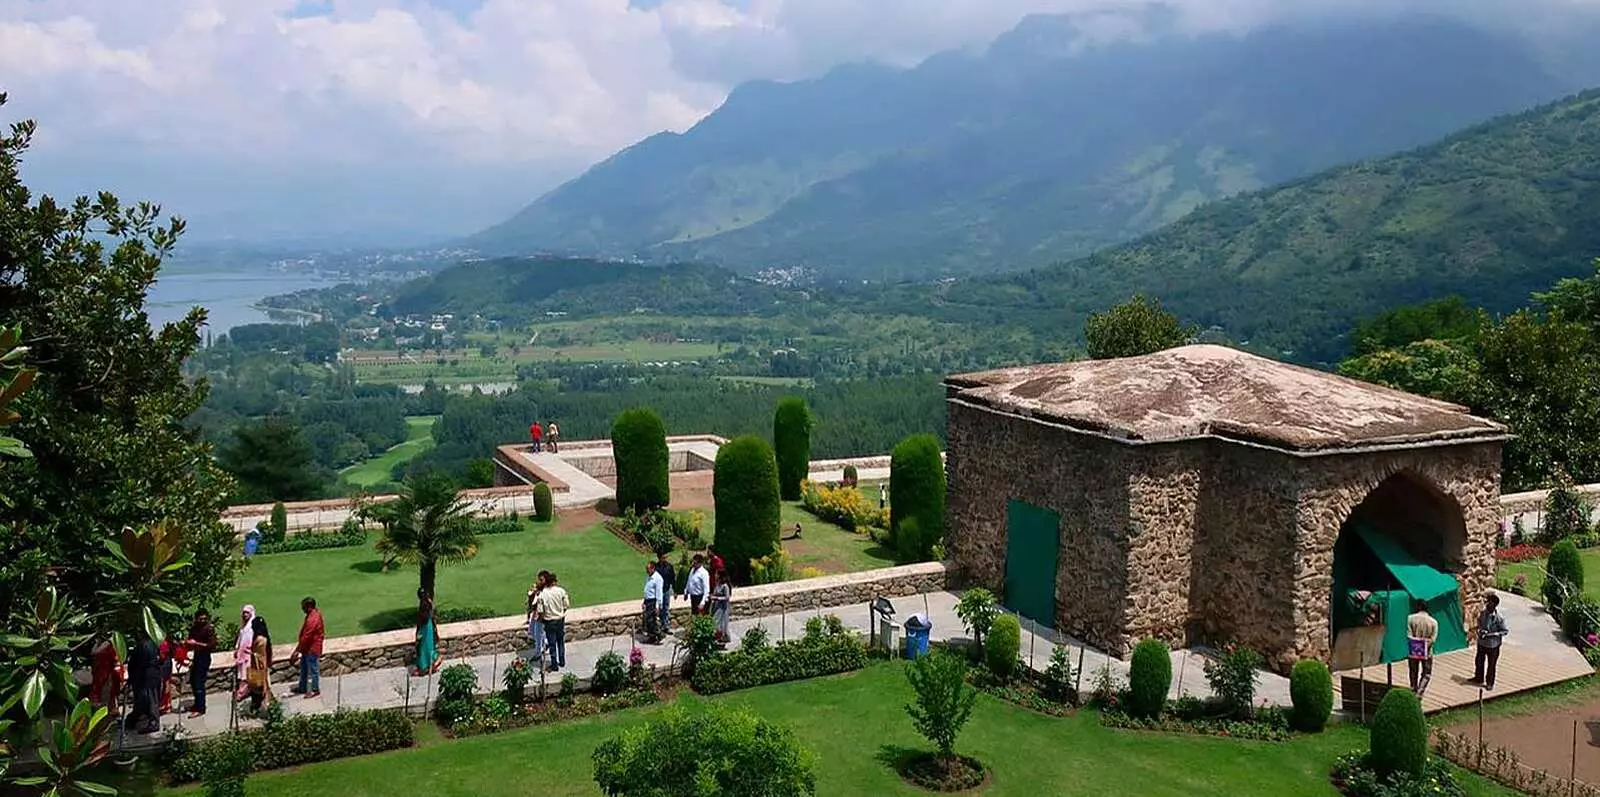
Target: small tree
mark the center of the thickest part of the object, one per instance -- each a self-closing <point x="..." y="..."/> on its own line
<point x="791" y="439"/>
<point x="1565" y="575"/>
<point x="1398" y="743"/>
<point x="1566" y="513"/>
<point x="1149" y="678"/>
<point x="1232" y="677"/>
<point x="977" y="610"/>
<point x="544" y="508"/>
<point x="917" y="481"/>
<point x="944" y="700"/>
<point x="714" y="750"/>
<point x="639" y="450"/>
<point x="1003" y="647"/>
<point x="1133" y="328"/>
<point x="852" y="477"/>
<point x="280" y="523"/>
<point x="1311" y="693"/>
<point x="745" y="492"/>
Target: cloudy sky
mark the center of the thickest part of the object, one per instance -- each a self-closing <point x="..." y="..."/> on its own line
<point x="413" y="119"/>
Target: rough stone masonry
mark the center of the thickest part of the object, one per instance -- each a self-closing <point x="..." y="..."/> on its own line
<point x="1201" y="491"/>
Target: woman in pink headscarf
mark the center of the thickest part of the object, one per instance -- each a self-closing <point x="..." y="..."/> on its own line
<point x="241" y="652"/>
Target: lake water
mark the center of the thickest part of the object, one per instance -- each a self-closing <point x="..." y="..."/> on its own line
<point x="227" y="295"/>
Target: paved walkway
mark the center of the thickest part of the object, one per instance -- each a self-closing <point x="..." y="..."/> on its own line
<point x="395" y="688"/>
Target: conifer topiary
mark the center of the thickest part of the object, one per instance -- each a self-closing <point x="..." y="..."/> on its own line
<point x="1399" y="735"/>
<point x="917" y="482"/>
<point x="1002" y="646"/>
<point x="1311" y="694"/>
<point x="791" y="440"/>
<point x="639" y="451"/>
<point x="1565" y="577"/>
<point x="745" y="492"/>
<point x="1149" y="678"/>
<point x="544" y="508"/>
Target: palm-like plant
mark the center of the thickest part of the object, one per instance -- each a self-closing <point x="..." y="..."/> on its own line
<point x="428" y="524"/>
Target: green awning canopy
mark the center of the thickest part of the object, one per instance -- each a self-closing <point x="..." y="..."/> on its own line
<point x="1421" y="581"/>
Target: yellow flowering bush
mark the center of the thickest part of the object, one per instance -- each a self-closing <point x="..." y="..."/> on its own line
<point x="842" y="506"/>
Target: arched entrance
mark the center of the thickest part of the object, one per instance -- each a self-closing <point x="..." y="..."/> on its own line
<point x="1404" y="542"/>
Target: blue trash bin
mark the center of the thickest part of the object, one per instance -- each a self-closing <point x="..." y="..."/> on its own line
<point x="252" y="541"/>
<point x="918" y="629"/>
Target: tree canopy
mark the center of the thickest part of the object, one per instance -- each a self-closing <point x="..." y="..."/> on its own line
<point x="1135" y="327"/>
<point x="272" y="461"/>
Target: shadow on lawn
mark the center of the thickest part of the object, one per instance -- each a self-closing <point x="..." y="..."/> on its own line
<point x="895" y="756"/>
<point x="372" y="566"/>
<point x="390" y="620"/>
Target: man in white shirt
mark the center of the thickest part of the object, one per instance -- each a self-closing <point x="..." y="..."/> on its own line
<point x="653" y="590"/>
<point x="698" y="587"/>
<point x="1421" y="632"/>
<point x="552" y="604"/>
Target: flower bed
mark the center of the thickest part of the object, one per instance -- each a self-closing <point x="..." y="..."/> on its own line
<point x="1521" y="553"/>
<point x="496" y="714"/>
<point x="301" y="739"/>
<point x="1269" y="725"/>
<point x="1352" y="776"/>
<point x="827" y="651"/>
<point x="658" y="530"/>
<point x="1023" y="693"/>
<point x="843" y="506"/>
<point x="935" y="773"/>
<point x="350" y="536"/>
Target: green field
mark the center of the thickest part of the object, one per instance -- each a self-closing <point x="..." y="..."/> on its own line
<point x="471" y="365"/>
<point x="419" y="438"/>
<point x="357" y="598"/>
<point x="1534" y="570"/>
<point x="856" y="724"/>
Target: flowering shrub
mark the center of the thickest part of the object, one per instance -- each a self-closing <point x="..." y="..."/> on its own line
<point x="843" y="506"/>
<point x="771" y="569"/>
<point x="1521" y="553"/>
<point x="516" y="679"/>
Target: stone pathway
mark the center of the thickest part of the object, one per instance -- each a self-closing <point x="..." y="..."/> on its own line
<point x="395" y="688"/>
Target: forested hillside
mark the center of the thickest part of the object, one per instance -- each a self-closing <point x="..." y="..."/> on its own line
<point x="1042" y="148"/>
<point x="1491" y="214"/>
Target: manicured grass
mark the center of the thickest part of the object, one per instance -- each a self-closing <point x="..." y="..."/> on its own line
<point x="822" y="545"/>
<point x="419" y="438"/>
<point x="356" y="597"/>
<point x="855" y="724"/>
<point x="1534" y="569"/>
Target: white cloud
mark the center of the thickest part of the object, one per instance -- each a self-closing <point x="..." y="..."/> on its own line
<point x="488" y="100"/>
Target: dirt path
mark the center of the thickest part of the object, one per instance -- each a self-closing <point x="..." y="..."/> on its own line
<point x="1544" y="740"/>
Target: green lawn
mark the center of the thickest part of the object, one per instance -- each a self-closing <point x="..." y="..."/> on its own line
<point x="419" y="438"/>
<point x="855" y="723"/>
<point x="1534" y="569"/>
<point x="356" y="597"/>
<point x="823" y="545"/>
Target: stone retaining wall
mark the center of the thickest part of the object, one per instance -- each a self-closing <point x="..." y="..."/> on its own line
<point x="343" y="655"/>
<point x="1533" y="500"/>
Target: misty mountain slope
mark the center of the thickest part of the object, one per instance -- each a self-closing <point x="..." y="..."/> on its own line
<point x="1033" y="152"/>
<point x="1492" y="214"/>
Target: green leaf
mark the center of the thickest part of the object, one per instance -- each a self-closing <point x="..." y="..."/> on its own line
<point x="119" y="641"/>
<point x="94" y="788"/>
<point x="165" y="606"/>
<point x="17" y="641"/>
<point x="33" y="693"/>
<point x="151" y="627"/>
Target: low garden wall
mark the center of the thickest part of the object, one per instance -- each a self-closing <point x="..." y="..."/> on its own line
<point x="389" y="649"/>
<point x="1534" y="500"/>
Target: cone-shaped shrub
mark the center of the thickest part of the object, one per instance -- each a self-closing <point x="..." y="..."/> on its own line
<point x="1311" y="693"/>
<point x="1149" y="678"/>
<point x="639" y="449"/>
<point x="544" y="507"/>
<point x="1002" y="646"/>
<point x="917" y="482"/>
<point x="791" y="439"/>
<point x="745" y="492"/>
<point x="1565" y="566"/>
<point x="1399" y="735"/>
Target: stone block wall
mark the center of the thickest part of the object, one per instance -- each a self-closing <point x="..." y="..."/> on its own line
<point x="994" y="457"/>
<point x="343" y="655"/>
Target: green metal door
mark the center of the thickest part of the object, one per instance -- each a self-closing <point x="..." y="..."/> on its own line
<point x="1033" y="537"/>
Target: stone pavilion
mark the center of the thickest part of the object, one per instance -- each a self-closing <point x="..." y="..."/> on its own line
<point x="1197" y="494"/>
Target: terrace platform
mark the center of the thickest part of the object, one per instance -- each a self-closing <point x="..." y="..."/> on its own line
<point x="1534" y="656"/>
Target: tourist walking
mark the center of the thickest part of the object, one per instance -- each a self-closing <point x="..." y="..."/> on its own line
<point x="552" y="605"/>
<point x="259" y="676"/>
<point x="721" y="599"/>
<point x="1421" y="632"/>
<point x="144" y="675"/>
<point x="553" y="435"/>
<point x="241" y="652"/>
<point x="535" y="626"/>
<point x="1492" y="631"/>
<point x="308" y="650"/>
<point x="201" y="642"/>
<point x="669" y="580"/>
<point x="883" y="496"/>
<point x="536" y="434"/>
<point x="652" y="604"/>
<point x="698" y="588"/>
<point x="427" y="637"/>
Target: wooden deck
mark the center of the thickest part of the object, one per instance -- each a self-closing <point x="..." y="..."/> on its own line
<point x="1521" y="669"/>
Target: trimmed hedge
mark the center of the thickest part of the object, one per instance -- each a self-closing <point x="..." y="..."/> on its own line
<point x="917" y="482"/>
<point x="1565" y="565"/>
<point x="745" y="492"/>
<point x="1311" y="693"/>
<point x="791" y="660"/>
<point x="544" y="507"/>
<point x="1149" y="678"/>
<point x="791" y="440"/>
<point x="639" y="449"/>
<point x="1002" y="646"/>
<point x="316" y="541"/>
<point x="1399" y="735"/>
<point x="301" y="739"/>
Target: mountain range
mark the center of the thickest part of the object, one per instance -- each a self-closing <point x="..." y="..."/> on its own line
<point x="1045" y="147"/>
